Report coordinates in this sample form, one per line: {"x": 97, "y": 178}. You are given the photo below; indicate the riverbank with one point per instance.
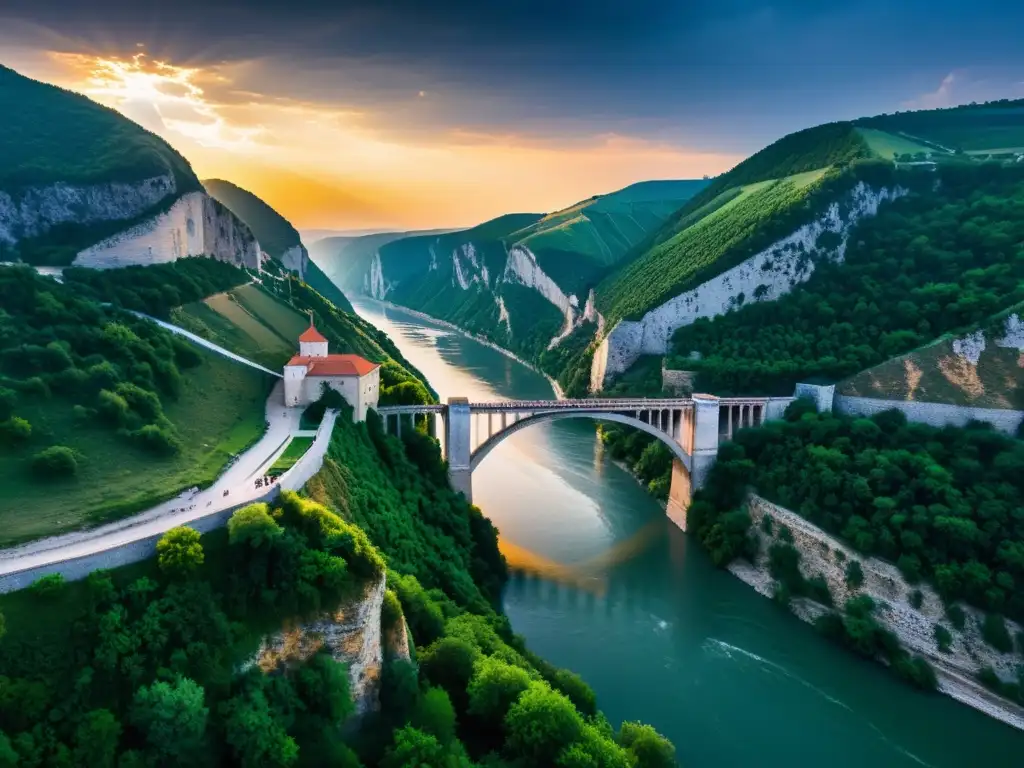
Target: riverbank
{"x": 824, "y": 555}
{"x": 556, "y": 388}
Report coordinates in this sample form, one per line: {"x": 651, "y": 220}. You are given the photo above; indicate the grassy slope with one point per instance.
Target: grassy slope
{"x": 888, "y": 145}
{"x": 972, "y": 127}
{"x": 248, "y": 322}
{"x": 574, "y": 244}
{"x": 322, "y": 284}
{"x": 687, "y": 249}
{"x": 936, "y": 373}
{"x": 709, "y": 245}
{"x": 296, "y": 450}
{"x": 220, "y": 412}
{"x": 274, "y": 232}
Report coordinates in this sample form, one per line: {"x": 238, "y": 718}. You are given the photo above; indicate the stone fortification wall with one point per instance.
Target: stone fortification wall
{"x": 933, "y": 414}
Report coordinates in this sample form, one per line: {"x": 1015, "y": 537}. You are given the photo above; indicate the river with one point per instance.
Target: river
{"x": 605, "y": 585}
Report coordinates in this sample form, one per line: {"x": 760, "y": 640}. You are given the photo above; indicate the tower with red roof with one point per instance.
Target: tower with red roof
{"x": 306, "y": 374}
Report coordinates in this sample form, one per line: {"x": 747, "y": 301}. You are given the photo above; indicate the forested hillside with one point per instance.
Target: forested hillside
{"x": 51, "y": 136}
{"x": 152, "y": 664}
{"x": 345, "y": 260}
{"x": 939, "y": 503}
{"x": 942, "y": 258}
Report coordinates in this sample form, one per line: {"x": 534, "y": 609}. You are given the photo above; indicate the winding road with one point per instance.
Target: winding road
{"x": 131, "y": 539}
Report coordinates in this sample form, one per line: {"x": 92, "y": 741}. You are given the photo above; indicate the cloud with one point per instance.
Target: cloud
{"x": 941, "y": 97}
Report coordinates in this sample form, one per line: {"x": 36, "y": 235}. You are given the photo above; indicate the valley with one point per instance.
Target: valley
{"x": 215, "y": 554}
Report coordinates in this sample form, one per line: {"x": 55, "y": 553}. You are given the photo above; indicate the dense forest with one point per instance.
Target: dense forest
{"x": 943, "y": 504}
{"x": 49, "y": 134}
{"x": 146, "y": 665}
{"x": 926, "y": 264}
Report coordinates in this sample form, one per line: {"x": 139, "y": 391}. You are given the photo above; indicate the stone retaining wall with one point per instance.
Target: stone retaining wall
{"x": 144, "y": 548}
{"x": 933, "y": 414}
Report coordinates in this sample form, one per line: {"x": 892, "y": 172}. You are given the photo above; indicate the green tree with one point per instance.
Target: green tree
{"x": 8, "y": 757}
{"x": 649, "y": 748}
{"x": 96, "y": 739}
{"x": 48, "y": 586}
{"x": 434, "y": 714}
{"x": 415, "y": 749}
{"x": 994, "y": 630}
{"x": 541, "y": 723}
{"x": 180, "y": 551}
{"x": 449, "y": 664}
{"x": 254, "y": 526}
{"x": 55, "y": 462}
{"x": 256, "y": 737}
{"x": 172, "y": 718}
{"x": 854, "y": 575}
{"x": 494, "y": 688}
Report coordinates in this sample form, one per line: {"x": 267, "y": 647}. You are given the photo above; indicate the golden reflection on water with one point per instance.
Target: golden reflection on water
{"x": 589, "y": 575}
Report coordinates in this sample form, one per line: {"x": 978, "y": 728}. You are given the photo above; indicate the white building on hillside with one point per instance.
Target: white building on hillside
{"x": 357, "y": 379}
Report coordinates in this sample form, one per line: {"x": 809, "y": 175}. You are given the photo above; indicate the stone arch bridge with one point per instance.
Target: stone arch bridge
{"x": 691, "y": 427}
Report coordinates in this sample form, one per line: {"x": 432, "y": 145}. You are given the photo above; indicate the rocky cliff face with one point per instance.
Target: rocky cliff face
{"x": 765, "y": 276}
{"x": 824, "y": 555}
{"x": 34, "y": 211}
{"x": 195, "y": 225}
{"x": 296, "y": 259}
{"x": 352, "y": 634}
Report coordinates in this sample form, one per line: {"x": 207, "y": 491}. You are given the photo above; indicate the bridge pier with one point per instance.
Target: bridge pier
{"x": 703, "y": 452}
{"x": 458, "y": 446}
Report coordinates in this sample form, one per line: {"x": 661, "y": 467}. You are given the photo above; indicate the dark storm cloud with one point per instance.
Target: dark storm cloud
{"x": 722, "y": 74}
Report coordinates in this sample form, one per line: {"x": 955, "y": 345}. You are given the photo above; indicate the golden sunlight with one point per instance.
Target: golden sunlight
{"x": 329, "y": 165}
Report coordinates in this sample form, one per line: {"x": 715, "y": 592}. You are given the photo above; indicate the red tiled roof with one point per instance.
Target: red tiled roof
{"x": 311, "y": 334}
{"x": 335, "y": 365}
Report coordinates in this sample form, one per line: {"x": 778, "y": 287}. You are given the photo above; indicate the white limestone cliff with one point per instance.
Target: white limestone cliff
{"x": 33, "y": 211}
{"x": 195, "y": 225}
{"x": 1014, "y": 333}
{"x": 374, "y": 284}
{"x": 765, "y": 276}
{"x": 296, "y": 259}
{"x": 521, "y": 268}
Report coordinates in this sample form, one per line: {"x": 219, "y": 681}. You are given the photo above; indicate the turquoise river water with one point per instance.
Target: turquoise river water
{"x": 605, "y": 585}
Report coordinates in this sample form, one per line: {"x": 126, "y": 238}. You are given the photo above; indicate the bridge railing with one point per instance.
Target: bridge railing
{"x": 605, "y": 404}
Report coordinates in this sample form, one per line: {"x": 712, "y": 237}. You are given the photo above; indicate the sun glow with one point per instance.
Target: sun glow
{"x": 367, "y": 163}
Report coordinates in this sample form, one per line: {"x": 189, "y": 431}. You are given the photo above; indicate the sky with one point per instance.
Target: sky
{"x": 347, "y": 114}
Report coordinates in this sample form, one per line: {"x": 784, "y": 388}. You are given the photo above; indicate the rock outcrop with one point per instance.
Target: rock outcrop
{"x": 296, "y": 259}
{"x": 823, "y": 555}
{"x": 352, "y": 634}
{"x": 765, "y": 276}
{"x": 33, "y": 211}
{"x": 195, "y": 225}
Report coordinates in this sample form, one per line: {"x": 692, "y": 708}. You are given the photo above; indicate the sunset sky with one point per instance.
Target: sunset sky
{"x": 393, "y": 113}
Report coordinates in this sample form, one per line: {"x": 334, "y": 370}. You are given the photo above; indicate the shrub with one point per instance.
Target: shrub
{"x": 15, "y": 430}
{"x": 47, "y": 586}
{"x": 57, "y": 461}
{"x": 494, "y": 688}
{"x": 434, "y": 714}
{"x": 766, "y": 525}
{"x": 943, "y": 638}
{"x": 253, "y": 525}
{"x": 854, "y": 575}
{"x": 180, "y": 551}
{"x": 540, "y": 724}
{"x": 993, "y": 629}
{"x": 785, "y": 534}
{"x": 391, "y": 610}
{"x": 113, "y": 408}
{"x": 649, "y": 748}
{"x": 159, "y": 440}
{"x": 916, "y": 599}
{"x": 956, "y": 616}
{"x": 579, "y": 693}
{"x": 916, "y": 671}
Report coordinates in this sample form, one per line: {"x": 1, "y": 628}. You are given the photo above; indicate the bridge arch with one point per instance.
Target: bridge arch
{"x": 493, "y": 441}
